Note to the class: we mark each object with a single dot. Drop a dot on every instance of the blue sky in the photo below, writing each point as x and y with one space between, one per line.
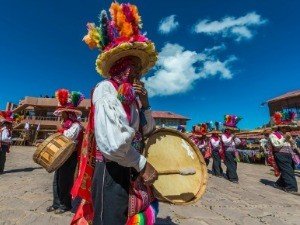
252 53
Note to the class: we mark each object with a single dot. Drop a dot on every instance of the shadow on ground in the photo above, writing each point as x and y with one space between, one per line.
267 182
29 169
165 221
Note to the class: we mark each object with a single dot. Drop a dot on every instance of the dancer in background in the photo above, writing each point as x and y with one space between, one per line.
282 151
6 121
230 142
216 147
72 129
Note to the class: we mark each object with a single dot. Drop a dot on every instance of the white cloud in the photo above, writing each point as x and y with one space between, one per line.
238 28
168 24
178 69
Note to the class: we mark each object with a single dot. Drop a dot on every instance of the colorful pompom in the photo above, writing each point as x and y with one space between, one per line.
76 98
62 95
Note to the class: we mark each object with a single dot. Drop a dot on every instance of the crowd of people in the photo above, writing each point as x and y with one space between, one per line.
281 151
113 185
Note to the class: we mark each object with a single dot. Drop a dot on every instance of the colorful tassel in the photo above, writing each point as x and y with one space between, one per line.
126 94
148 217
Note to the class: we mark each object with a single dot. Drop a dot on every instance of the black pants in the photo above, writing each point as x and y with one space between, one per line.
63 183
231 165
217 163
3 151
286 167
110 193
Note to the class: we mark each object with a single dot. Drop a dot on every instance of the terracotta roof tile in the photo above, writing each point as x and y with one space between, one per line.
286 96
167 115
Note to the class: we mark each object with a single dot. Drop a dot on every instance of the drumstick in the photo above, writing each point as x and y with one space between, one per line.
184 172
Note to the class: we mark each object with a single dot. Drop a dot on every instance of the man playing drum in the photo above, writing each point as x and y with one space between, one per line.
121 117
72 129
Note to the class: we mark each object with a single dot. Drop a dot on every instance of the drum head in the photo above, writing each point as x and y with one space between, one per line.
168 149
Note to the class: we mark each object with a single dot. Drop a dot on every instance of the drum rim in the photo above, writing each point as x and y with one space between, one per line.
203 186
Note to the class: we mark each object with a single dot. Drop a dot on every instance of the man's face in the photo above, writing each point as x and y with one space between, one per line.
64 115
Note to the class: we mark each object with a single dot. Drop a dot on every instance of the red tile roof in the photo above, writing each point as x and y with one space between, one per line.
291 94
167 115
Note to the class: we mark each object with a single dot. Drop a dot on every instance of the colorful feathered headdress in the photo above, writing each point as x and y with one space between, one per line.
231 121
284 118
118 37
203 128
6 116
68 101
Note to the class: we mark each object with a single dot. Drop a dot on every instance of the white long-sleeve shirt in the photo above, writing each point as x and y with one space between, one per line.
230 142
73 132
113 132
215 143
5 135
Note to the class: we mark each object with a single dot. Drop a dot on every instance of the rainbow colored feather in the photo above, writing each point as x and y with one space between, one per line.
105 29
148 217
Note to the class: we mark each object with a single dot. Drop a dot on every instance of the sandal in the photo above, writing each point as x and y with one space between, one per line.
60 211
51 209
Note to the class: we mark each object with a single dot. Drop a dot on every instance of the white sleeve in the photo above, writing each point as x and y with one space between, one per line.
226 141
5 136
237 141
73 132
150 123
112 131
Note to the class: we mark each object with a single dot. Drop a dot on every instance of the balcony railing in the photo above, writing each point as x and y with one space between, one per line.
49 118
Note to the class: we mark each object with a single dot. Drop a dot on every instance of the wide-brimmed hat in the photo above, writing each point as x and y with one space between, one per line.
118 37
68 102
215 131
230 122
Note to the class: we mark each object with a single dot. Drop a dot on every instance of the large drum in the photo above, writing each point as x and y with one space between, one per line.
182 170
54 152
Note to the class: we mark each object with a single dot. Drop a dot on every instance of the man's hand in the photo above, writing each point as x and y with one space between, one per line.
149 174
140 90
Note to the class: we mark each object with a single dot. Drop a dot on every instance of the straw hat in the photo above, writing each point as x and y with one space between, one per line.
120 37
68 102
